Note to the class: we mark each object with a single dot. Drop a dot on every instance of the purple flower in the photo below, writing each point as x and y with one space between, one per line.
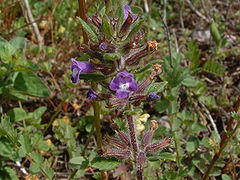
152 97
78 68
91 94
103 46
123 84
127 12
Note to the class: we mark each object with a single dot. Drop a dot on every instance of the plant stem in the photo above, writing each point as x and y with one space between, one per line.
225 138
134 143
217 155
97 122
96 105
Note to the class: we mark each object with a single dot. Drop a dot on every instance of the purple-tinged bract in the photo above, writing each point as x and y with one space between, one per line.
123 84
152 97
91 94
78 68
127 12
103 46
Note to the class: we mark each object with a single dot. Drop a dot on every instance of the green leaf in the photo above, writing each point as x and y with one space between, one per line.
209 101
17 114
214 67
163 156
29 83
193 54
111 56
7 149
6 51
215 33
24 140
92 77
19 42
106 26
92 35
10 173
135 29
39 112
162 105
148 66
105 164
156 87
77 160
226 177
190 81
192 144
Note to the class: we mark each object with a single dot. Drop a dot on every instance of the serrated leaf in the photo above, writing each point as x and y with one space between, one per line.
77 160
193 54
209 101
29 83
214 67
24 140
190 81
92 77
92 35
106 26
156 87
105 164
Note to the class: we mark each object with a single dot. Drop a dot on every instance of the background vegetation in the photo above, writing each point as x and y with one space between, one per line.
46 128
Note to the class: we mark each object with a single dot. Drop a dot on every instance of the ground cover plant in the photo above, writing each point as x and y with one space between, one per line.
119 89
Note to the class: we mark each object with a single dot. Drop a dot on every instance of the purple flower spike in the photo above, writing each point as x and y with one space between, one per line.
127 12
123 84
152 97
78 68
91 94
103 46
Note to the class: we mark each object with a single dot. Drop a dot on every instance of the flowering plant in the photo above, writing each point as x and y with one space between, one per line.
115 52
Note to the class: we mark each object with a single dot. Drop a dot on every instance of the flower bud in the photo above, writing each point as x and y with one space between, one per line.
96 21
158 145
118 153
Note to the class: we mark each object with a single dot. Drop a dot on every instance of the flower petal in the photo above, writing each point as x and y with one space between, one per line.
126 10
133 86
85 67
75 75
122 94
91 94
113 86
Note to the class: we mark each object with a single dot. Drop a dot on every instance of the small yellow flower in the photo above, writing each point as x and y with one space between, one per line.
61 29
49 142
139 122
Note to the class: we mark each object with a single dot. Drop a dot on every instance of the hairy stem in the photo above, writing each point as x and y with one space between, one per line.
134 143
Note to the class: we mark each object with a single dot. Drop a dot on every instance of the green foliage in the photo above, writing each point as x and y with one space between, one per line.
28 83
92 35
214 67
105 164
